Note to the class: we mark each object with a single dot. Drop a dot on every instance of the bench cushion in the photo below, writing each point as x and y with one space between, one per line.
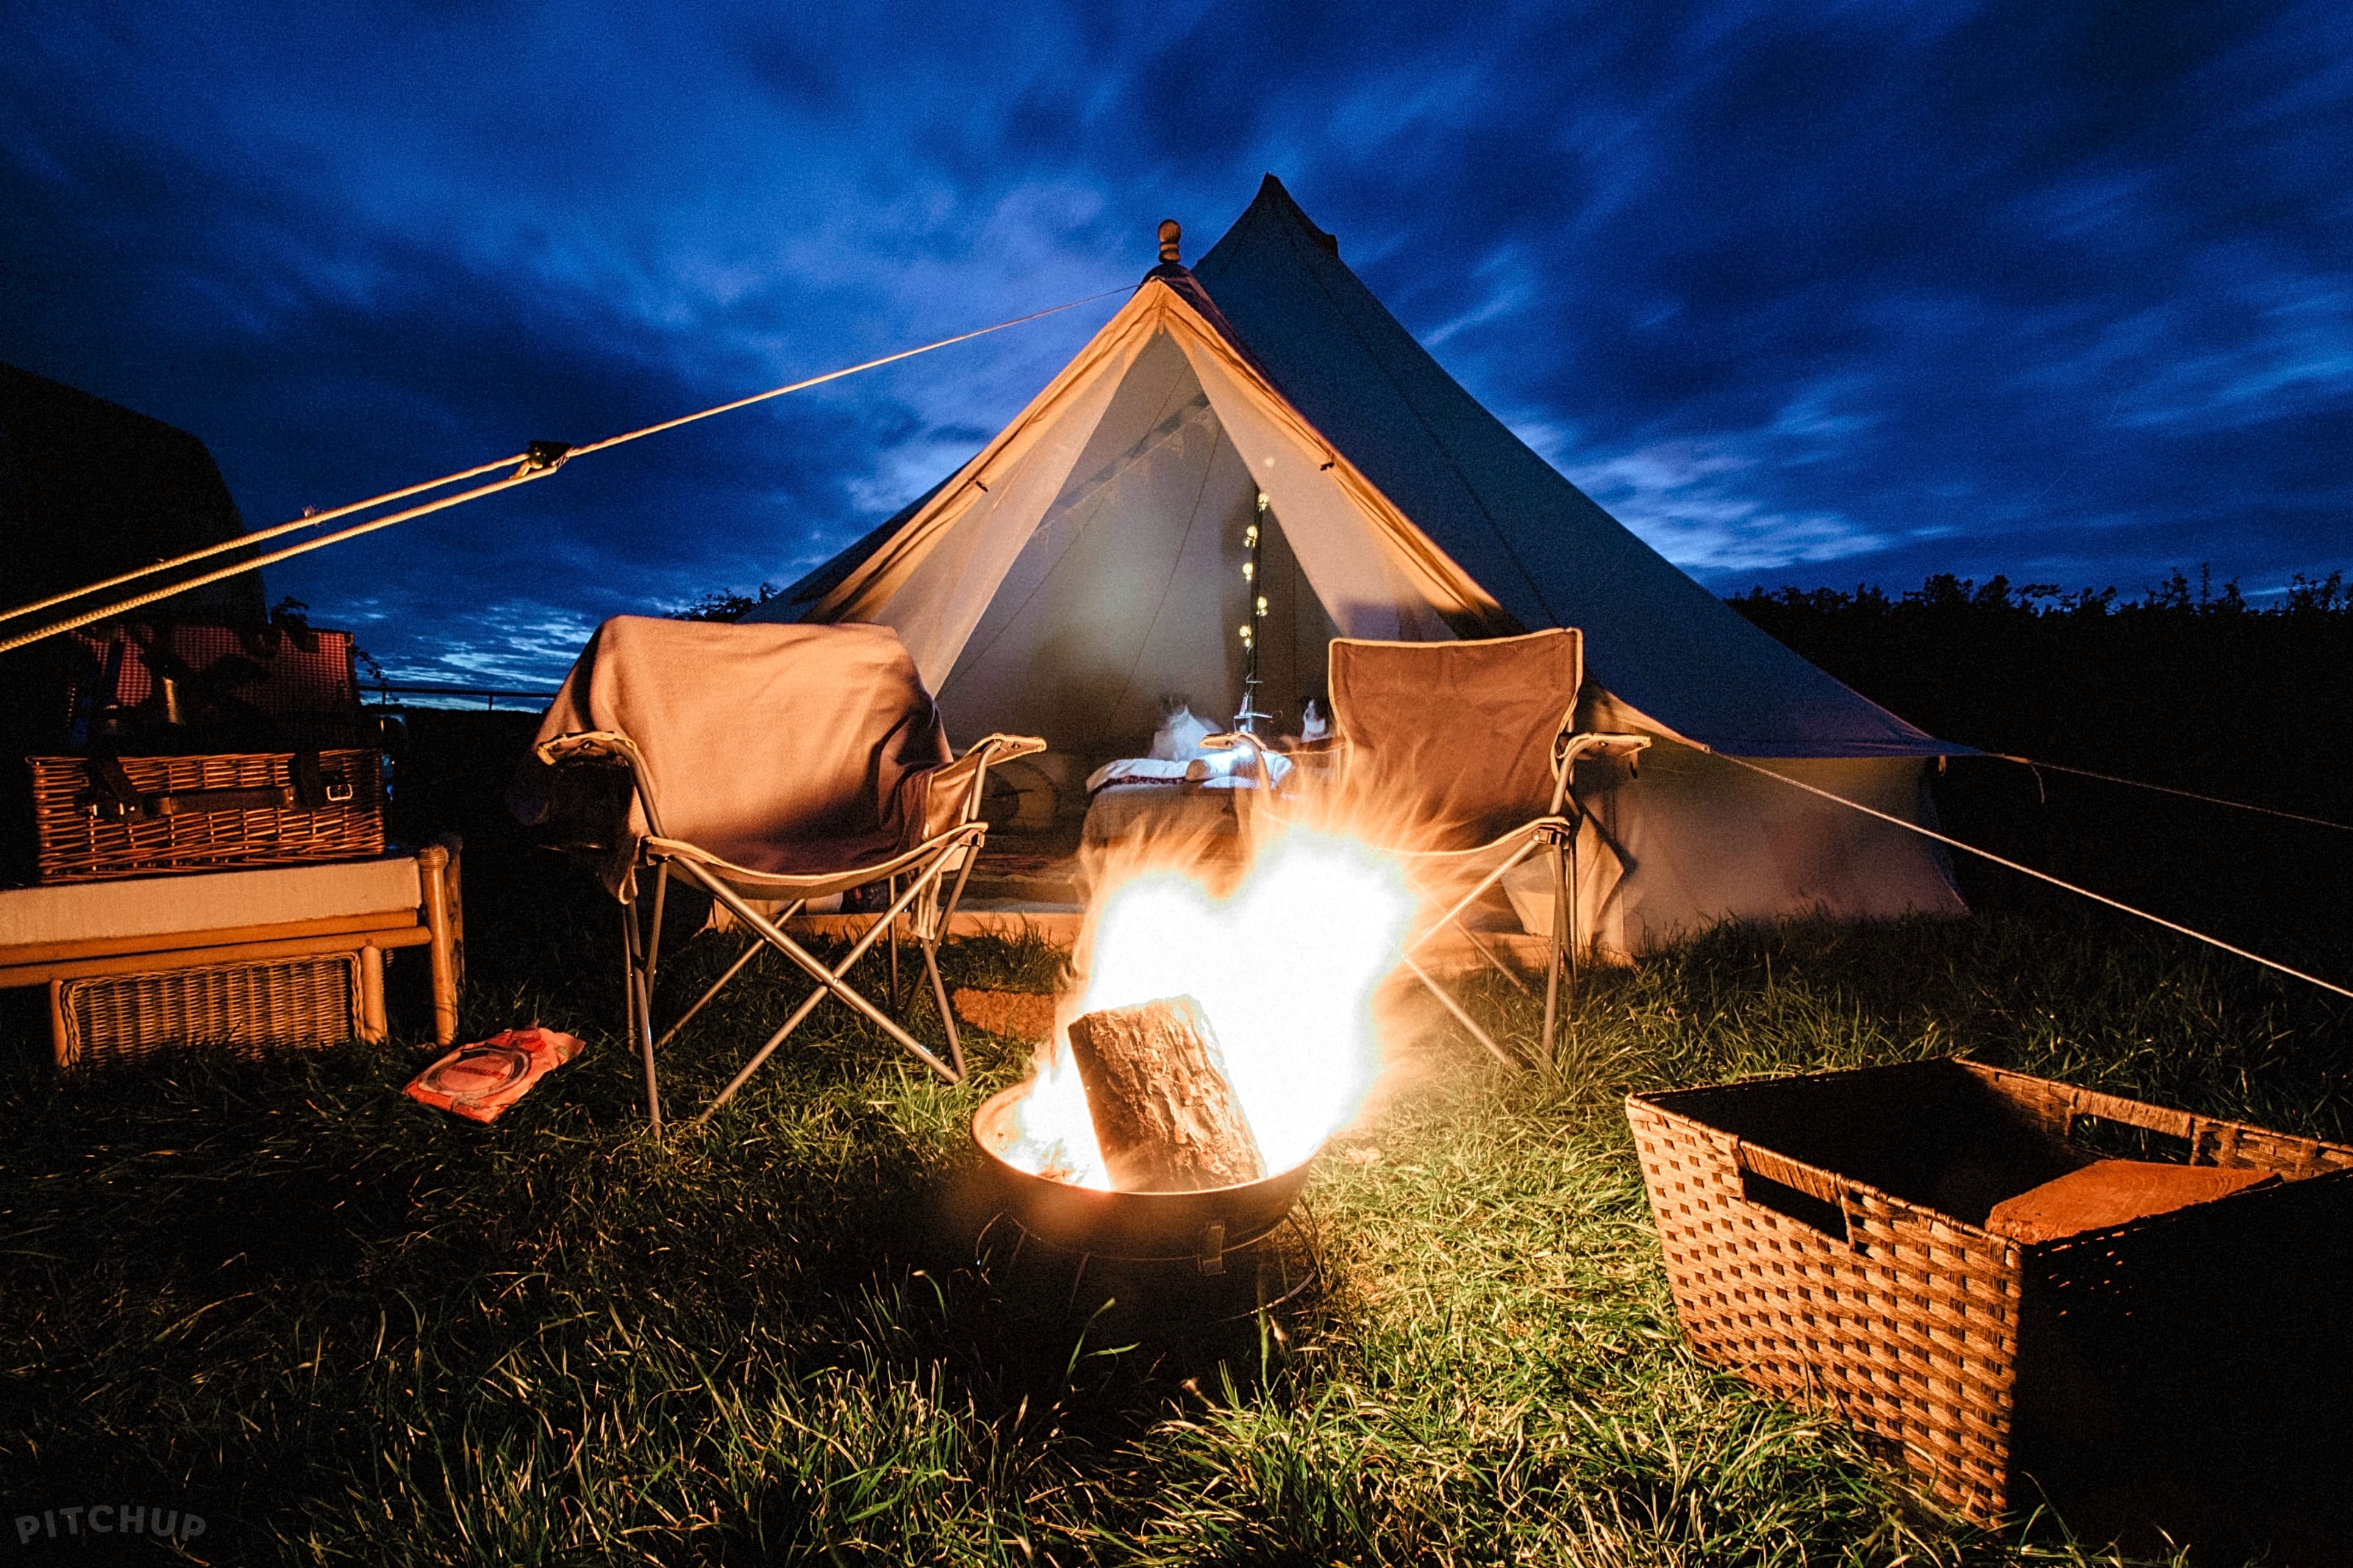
161 906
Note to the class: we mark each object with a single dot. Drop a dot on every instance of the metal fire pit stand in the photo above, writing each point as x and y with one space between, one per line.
1189 1237
1217 1258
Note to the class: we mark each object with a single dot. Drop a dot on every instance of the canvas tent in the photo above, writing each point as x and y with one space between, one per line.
1083 569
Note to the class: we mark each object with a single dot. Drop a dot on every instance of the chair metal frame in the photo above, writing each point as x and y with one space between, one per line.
917 878
1554 833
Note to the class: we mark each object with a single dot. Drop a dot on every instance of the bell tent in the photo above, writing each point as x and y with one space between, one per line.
1082 571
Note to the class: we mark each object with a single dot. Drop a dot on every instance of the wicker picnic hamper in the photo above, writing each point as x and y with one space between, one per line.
99 817
305 1001
1824 1239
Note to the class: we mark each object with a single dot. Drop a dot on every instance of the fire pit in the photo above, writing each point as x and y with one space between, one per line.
1211 1048
1142 1228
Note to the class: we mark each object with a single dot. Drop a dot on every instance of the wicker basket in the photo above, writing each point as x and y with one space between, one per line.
1823 1238
113 1018
255 808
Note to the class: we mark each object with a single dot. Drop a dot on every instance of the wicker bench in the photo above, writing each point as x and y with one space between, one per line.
280 955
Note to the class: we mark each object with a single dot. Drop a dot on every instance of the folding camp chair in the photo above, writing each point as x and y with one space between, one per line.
1464 753
771 766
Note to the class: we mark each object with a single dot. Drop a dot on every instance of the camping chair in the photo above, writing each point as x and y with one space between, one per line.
1465 754
771 766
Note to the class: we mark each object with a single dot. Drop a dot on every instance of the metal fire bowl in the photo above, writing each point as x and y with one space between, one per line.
1144 1228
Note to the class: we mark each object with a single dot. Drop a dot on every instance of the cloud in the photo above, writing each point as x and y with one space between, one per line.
1800 291
1694 504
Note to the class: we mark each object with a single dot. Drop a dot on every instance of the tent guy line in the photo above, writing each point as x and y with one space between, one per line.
308 519
2039 875
539 460
522 476
2036 763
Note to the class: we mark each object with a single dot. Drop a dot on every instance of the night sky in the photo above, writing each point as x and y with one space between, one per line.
1804 294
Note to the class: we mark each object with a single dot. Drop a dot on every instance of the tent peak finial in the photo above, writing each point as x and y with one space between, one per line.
1172 234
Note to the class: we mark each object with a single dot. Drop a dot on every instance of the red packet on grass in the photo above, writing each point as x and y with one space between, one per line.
480 1080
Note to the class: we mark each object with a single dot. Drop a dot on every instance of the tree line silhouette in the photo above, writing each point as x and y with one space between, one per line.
2189 685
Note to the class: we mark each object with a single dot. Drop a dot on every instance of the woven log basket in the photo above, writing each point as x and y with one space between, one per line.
1823 1238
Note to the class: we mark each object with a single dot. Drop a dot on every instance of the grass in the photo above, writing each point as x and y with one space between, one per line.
345 1329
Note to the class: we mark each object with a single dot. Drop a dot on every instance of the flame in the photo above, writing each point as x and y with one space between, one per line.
1286 969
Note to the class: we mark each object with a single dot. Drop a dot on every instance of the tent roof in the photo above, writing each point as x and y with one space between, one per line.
1480 528
1655 638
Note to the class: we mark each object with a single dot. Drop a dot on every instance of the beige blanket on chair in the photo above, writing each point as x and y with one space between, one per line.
782 748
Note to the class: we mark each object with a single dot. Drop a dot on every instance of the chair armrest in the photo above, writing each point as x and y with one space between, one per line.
587 746
1600 743
1571 746
1005 748
964 780
604 748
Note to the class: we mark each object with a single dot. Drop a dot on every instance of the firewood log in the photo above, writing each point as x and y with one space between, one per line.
1164 1115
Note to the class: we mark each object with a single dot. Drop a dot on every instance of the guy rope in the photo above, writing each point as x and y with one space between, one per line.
2039 875
536 461
2036 765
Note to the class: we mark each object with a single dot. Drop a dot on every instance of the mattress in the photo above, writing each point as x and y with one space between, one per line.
1178 810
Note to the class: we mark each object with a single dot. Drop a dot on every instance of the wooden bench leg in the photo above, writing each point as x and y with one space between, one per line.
373 1027
60 1042
437 865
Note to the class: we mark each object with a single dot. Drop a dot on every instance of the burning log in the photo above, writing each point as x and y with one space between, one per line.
1164 1113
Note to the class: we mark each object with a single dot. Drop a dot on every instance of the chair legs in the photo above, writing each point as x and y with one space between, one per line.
1447 1001
1453 916
893 889
948 1013
931 926
634 960
830 982
750 950
929 919
1563 938
1555 840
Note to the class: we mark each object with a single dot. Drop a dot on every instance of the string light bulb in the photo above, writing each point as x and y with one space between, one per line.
1253 533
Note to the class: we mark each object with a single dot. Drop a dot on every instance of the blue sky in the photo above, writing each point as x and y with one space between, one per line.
1805 294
